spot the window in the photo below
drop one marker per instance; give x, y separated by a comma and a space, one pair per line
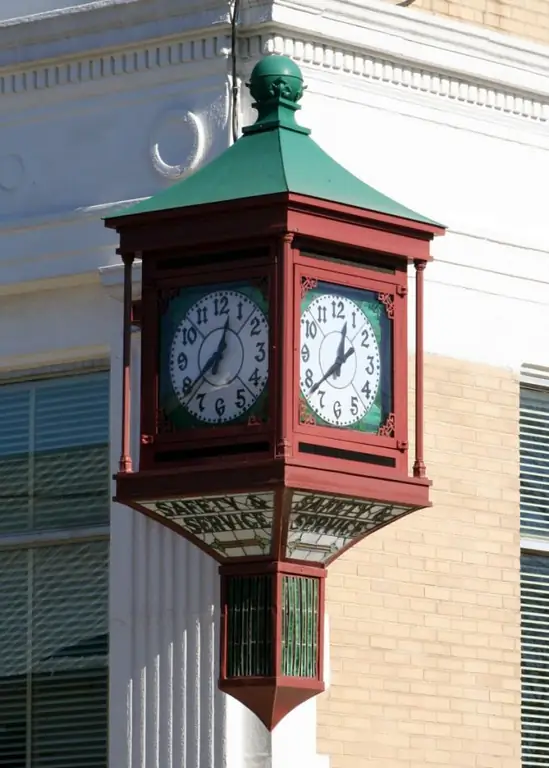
54, 515
534, 508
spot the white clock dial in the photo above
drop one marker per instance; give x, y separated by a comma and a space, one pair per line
340, 361
219, 357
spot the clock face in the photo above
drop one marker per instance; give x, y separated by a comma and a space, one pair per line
340, 359
219, 356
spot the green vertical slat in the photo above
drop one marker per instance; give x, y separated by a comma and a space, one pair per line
249, 626
243, 628
306, 589
300, 617
297, 611
286, 655
263, 586
267, 628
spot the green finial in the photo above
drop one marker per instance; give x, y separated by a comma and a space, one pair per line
276, 85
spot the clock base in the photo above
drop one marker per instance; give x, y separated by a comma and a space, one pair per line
272, 636
270, 699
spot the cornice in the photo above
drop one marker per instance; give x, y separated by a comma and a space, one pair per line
404, 77
320, 52
104, 24
153, 55
373, 40
421, 37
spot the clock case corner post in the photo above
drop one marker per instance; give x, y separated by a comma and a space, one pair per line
284, 343
150, 353
400, 368
204, 266
125, 462
419, 468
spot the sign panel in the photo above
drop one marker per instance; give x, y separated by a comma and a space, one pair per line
320, 526
233, 526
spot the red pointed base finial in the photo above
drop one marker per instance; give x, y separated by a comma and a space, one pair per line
271, 699
272, 645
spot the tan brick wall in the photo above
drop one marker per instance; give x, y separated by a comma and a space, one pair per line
424, 615
525, 18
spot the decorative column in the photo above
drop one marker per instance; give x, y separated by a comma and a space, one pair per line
164, 708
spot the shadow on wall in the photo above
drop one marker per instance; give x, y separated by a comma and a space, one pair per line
55, 685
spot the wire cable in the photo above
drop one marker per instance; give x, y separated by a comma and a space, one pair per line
235, 17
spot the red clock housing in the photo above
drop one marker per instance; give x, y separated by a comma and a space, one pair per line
280, 491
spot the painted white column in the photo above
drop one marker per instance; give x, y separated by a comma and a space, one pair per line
292, 744
165, 709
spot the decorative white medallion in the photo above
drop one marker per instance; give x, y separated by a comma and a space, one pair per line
193, 143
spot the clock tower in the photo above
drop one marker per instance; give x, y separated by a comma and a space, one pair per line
274, 381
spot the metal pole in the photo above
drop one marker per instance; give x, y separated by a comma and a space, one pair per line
419, 463
125, 464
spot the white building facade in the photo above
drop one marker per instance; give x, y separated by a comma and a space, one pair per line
107, 102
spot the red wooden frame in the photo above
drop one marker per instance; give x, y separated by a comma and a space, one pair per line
155, 282
283, 237
345, 439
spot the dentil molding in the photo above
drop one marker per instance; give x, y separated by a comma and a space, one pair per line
400, 74
103, 24
421, 37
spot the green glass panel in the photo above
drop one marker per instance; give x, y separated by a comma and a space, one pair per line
249, 626
300, 626
196, 324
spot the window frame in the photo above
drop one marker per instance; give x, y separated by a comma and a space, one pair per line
71, 535
532, 378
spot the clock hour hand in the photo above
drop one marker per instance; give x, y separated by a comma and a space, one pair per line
218, 354
340, 356
212, 363
332, 370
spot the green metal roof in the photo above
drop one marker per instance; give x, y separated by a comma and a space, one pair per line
272, 156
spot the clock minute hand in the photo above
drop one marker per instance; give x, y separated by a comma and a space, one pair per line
212, 363
209, 364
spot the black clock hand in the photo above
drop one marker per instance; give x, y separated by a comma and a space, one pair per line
212, 363
220, 349
331, 370
188, 393
340, 351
